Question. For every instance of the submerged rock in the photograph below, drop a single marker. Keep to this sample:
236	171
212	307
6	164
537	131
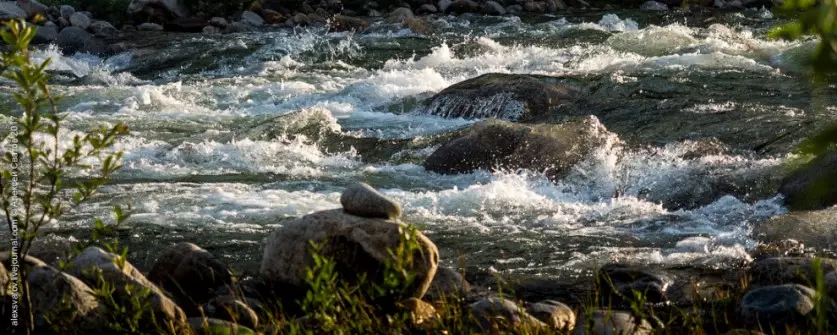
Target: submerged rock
555	314
817	229
503	314
359	246
503	96
624	280
552	149
777	305
362	200
610	322
347	23
813	185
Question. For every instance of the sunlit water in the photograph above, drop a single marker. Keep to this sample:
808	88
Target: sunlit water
663	83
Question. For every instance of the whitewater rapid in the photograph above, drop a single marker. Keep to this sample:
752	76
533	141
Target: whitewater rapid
187	168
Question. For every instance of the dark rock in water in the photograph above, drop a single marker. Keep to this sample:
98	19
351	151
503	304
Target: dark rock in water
103	29
78	19
347	23
494	144
817	229
75	39
504	96
610	322
535	7
447	283
208	326
362	200
813	186
171	8
67	11
186	25
503	314
777	248
555	314
190	273
427	9
777	305
359	247
250	18
624	280
148	26
45	34
784	270
231	309
463	7
400	14
493	8
94	261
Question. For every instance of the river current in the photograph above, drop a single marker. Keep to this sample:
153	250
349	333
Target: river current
696	102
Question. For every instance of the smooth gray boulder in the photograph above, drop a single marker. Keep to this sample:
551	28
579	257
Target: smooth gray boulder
362	200
67	11
504	314
777	305
78	19
555	314
9	11
103	29
359	246
816	229
75	39
446	284
253	19
609	322
190	273
148	26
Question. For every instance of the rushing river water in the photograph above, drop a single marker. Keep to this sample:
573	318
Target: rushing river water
662	191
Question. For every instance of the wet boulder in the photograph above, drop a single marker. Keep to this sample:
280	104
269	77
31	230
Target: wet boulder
149	26
555	314
32	7
399	15
45	34
75	39
172	8
784	270
623	280
817	229
103	29
813	186
94	263
66	11
504	96
360	246
504	314
778	305
610	322
347	23
190	273
552	149
253	19
493	8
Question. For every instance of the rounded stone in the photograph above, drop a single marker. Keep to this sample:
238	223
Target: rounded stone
610	322
495	312
555	314
80	20
447	283
777	304
363	200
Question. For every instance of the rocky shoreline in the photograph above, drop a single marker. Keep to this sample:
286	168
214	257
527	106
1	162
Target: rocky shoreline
75	30
191	287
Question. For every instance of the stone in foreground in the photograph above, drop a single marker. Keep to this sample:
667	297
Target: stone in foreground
447	283
777	305
499	313
555	314
190	273
606	322
363	200
359	246
813	185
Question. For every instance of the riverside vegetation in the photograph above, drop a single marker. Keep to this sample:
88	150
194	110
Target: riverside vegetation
354	270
